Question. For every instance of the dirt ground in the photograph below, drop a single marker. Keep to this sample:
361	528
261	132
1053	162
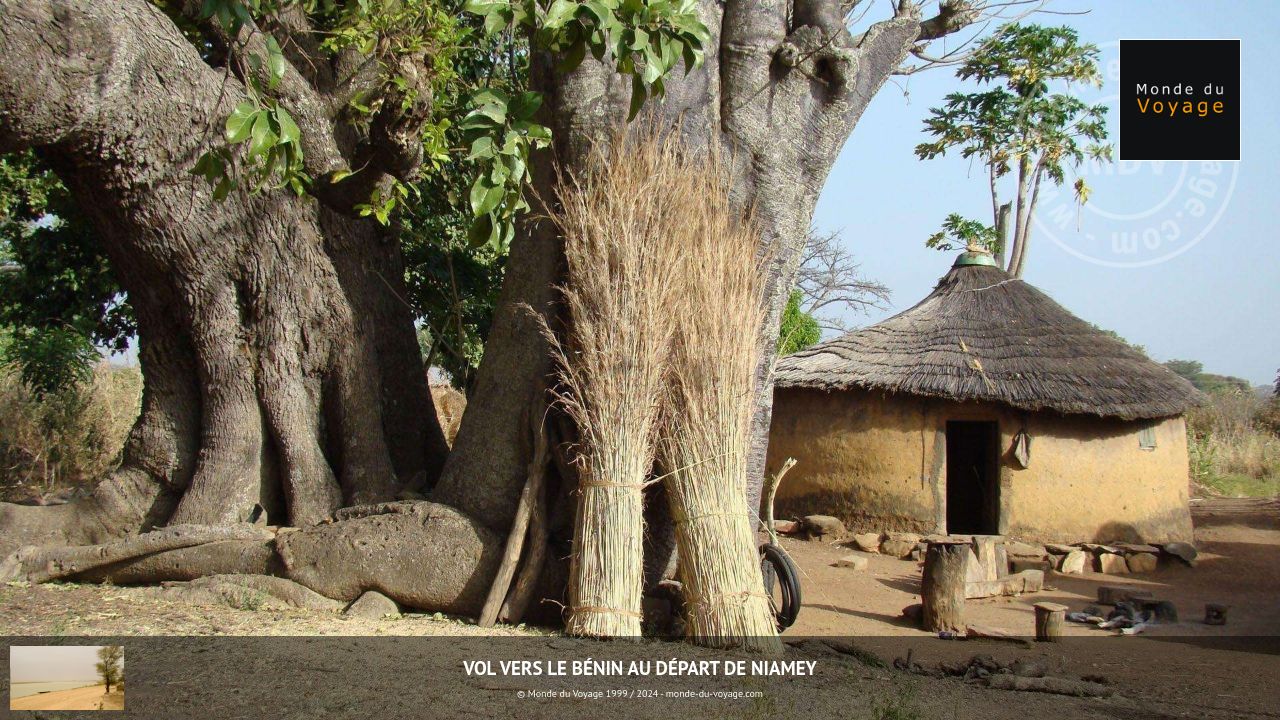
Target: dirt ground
1186	669
94	697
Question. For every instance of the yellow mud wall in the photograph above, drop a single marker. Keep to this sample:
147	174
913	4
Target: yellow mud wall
1090	480
868	461
879	463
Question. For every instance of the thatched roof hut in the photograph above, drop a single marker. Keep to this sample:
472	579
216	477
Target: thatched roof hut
969	377
984	336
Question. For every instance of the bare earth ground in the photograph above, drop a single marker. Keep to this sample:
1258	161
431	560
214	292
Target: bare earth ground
1183	670
94	697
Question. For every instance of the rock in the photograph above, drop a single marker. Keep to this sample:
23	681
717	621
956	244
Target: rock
372	605
821	526
786	527
1095	548
1073	563
908	537
1018	564
983	589
1032	580
1142	562
1128	548
853	562
1186	552
1057	549
1164	611
897	548
867	542
1016	548
1110	564
913	612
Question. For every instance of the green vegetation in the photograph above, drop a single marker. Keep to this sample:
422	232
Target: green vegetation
1194	373
1234	444
798	329
111	665
1019	128
67	438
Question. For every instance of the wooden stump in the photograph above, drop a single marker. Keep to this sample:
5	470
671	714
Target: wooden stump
1049	619
942	589
1215	614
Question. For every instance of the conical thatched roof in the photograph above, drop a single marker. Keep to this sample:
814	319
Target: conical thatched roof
983	335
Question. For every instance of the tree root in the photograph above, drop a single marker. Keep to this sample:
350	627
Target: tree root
39	564
248	592
420	554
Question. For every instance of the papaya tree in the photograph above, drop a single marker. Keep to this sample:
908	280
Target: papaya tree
1019	128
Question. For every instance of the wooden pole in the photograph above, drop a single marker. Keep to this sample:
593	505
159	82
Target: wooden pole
519	527
771	491
1049	620
942	589
536	555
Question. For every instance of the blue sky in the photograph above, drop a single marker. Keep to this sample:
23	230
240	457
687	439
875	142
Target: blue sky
1202	289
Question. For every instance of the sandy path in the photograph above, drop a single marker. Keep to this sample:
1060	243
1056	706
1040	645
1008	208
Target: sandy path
85	698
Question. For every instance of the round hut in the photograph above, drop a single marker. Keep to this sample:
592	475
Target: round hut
985	409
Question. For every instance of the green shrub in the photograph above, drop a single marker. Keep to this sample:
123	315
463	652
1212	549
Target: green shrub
67	438
1233	445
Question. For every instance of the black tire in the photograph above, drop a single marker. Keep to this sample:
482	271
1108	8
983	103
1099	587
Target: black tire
778	568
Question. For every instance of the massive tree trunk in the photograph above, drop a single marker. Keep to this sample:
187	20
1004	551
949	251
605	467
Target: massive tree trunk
280	365
781	89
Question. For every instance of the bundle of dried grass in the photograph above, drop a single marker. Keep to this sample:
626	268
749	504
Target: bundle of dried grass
718	314
614	218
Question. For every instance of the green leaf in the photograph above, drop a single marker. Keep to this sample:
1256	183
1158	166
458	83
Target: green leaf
484	196
637	97
262	138
240	121
340	175
482	148
560	12
525	105
573	57
275	62
289	132
480	230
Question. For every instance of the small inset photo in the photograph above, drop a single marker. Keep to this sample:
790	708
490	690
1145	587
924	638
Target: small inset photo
66	677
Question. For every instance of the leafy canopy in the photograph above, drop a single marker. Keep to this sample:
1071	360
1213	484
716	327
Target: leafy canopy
58	295
1019	122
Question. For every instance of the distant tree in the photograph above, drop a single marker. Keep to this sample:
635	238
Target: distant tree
1187	369
1276	391
110	670
1019	127
831	282
1194	373
798	329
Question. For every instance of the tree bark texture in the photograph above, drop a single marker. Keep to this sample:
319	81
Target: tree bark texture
781	89
280	365
942	588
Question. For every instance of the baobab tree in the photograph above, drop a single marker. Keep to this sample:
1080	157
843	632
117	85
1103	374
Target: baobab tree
282	375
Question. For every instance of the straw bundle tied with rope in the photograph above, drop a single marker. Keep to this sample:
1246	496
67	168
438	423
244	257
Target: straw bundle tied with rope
663	308
706	419
614	218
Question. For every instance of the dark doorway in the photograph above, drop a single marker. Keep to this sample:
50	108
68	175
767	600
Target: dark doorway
973	478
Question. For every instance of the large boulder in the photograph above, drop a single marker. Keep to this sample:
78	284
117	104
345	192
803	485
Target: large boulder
822	527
